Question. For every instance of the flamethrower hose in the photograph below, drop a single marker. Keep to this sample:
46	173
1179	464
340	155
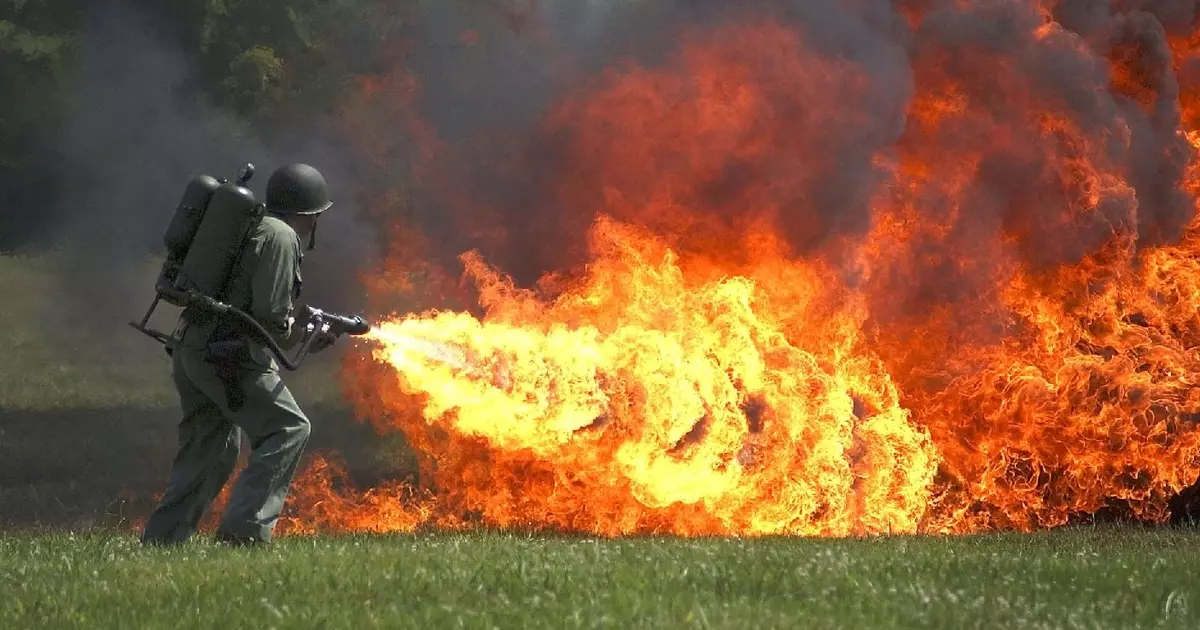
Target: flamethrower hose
350	326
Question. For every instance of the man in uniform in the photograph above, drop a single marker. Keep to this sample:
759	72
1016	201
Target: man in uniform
228	383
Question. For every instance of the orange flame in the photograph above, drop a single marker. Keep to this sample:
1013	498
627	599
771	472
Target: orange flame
1005	338
689	407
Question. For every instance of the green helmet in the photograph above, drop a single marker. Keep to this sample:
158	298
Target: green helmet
297	189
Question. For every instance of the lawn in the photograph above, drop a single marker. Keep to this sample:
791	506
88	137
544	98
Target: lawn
1094	577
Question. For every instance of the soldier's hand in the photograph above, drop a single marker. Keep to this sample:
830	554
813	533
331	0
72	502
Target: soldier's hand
321	341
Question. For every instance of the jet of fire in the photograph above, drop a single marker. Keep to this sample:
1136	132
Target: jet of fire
685	406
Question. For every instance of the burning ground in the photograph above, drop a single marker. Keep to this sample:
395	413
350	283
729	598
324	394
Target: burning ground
934	270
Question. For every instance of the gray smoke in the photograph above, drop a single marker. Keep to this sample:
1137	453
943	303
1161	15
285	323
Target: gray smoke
137	129
137	132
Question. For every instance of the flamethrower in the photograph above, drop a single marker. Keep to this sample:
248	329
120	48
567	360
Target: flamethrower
212	223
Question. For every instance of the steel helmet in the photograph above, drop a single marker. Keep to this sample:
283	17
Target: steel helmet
297	189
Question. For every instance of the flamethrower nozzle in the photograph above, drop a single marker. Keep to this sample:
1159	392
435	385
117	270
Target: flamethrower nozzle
340	324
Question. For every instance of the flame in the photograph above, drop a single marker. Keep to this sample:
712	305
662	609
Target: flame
990	324
691	408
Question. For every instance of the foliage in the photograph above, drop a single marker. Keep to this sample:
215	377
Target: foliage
36	49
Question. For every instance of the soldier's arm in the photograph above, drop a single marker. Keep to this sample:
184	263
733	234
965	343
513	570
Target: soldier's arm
273	289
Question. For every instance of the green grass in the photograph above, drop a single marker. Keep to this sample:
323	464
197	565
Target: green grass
1086	578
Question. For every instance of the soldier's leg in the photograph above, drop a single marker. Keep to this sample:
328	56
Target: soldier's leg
208	451
278	432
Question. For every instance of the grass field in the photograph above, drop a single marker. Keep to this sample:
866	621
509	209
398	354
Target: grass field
1100	577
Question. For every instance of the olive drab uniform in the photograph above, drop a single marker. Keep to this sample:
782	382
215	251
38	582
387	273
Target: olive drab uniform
227	385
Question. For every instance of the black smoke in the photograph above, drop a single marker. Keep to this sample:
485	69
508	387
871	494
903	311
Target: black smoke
486	101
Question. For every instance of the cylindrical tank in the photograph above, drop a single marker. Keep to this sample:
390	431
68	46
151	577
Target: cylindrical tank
217	244
188	213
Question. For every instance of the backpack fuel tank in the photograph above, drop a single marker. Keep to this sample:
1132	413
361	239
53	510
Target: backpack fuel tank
212	223
185	221
216	246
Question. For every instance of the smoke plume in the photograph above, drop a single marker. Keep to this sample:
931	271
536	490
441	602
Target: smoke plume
136	132
510	117
502	110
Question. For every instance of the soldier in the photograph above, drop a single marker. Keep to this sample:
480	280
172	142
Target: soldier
228	384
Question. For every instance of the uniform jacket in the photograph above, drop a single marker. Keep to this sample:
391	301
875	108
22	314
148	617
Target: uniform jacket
265	283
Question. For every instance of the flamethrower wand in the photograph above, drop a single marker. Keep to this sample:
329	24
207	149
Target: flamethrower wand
318	320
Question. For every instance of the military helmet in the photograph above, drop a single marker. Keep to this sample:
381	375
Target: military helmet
297	189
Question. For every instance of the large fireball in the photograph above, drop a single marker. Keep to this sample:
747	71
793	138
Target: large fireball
803	310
